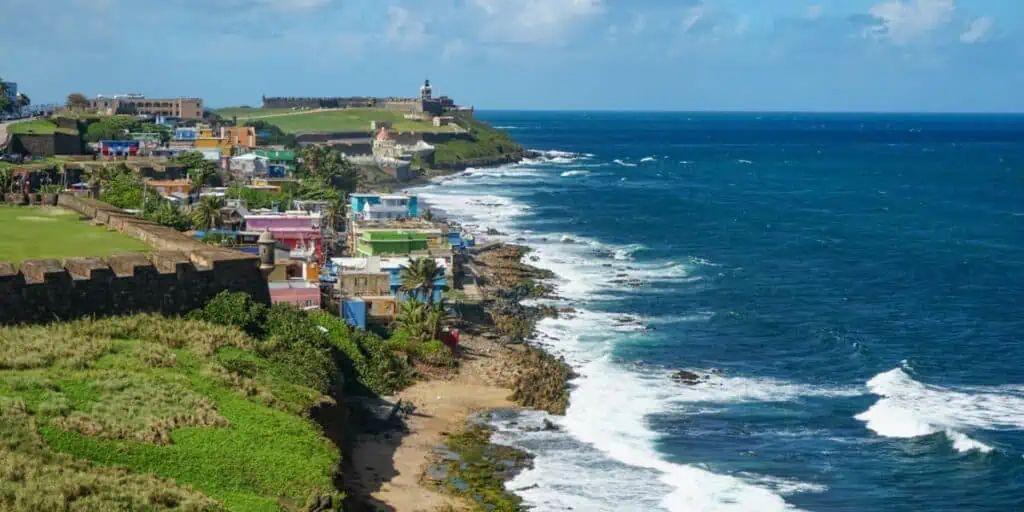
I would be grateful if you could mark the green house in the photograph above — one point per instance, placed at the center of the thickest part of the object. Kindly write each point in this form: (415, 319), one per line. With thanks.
(376, 243)
(283, 157)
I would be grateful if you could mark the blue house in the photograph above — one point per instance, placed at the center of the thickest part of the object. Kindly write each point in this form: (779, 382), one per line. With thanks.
(394, 269)
(186, 133)
(383, 207)
(353, 311)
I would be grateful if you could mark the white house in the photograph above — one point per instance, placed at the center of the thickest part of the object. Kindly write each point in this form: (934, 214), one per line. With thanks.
(251, 164)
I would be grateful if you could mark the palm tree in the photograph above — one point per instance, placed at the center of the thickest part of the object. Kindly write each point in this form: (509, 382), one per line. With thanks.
(428, 215)
(419, 276)
(6, 180)
(22, 101)
(422, 322)
(333, 211)
(206, 213)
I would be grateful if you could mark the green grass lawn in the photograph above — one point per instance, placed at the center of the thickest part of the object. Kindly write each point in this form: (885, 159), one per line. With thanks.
(152, 413)
(35, 233)
(347, 120)
(38, 127)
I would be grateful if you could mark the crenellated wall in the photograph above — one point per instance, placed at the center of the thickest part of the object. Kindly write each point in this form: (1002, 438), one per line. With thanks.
(180, 275)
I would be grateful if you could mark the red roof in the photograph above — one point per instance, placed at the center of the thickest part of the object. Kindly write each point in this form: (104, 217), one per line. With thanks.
(383, 134)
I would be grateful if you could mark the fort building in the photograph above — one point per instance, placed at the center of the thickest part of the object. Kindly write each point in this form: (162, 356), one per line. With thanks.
(184, 108)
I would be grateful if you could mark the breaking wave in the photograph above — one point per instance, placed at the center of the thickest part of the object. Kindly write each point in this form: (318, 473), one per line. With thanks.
(908, 408)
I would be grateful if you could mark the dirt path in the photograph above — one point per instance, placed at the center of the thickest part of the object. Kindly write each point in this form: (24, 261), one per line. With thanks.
(392, 463)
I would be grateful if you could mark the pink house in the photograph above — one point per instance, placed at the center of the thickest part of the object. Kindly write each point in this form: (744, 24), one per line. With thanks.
(303, 294)
(292, 229)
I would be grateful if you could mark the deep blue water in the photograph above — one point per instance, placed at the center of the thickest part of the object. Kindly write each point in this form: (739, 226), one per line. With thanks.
(857, 278)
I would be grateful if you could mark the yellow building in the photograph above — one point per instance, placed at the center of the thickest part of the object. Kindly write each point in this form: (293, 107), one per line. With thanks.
(224, 145)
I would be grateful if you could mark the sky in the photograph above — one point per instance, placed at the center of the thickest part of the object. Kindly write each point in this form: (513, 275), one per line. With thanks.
(782, 55)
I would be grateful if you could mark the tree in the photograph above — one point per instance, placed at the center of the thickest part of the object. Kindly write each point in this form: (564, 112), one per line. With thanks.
(206, 213)
(164, 131)
(418, 278)
(421, 322)
(77, 100)
(22, 101)
(6, 179)
(428, 215)
(111, 128)
(168, 214)
(123, 189)
(5, 102)
(333, 211)
(200, 170)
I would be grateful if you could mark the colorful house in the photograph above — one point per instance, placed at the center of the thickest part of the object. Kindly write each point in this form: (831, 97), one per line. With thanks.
(383, 207)
(186, 134)
(293, 230)
(119, 148)
(242, 136)
(283, 157)
(376, 243)
(168, 187)
(303, 294)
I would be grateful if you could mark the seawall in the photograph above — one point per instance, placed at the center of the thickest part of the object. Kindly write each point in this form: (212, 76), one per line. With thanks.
(180, 275)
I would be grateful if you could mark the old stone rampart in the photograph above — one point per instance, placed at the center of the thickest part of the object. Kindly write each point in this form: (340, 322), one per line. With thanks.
(180, 275)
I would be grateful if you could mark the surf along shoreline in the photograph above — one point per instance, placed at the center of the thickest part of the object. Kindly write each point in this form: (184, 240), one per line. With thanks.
(414, 454)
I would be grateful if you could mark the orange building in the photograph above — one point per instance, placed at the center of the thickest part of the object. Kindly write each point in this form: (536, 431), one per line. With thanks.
(244, 136)
(170, 186)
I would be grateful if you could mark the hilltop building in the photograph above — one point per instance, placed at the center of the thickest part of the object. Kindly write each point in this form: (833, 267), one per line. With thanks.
(184, 108)
(424, 103)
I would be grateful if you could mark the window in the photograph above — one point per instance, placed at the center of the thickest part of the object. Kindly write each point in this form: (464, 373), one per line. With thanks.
(309, 303)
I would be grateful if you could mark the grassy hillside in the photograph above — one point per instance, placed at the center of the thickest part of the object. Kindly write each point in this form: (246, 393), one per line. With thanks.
(326, 121)
(150, 413)
(489, 146)
(38, 127)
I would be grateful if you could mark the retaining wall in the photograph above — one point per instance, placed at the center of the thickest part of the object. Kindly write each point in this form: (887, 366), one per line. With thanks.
(180, 275)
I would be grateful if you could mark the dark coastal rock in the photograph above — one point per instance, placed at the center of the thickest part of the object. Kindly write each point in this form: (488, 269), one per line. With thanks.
(688, 378)
(494, 232)
(549, 426)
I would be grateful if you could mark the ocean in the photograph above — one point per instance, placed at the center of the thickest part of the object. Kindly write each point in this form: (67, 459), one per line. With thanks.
(849, 287)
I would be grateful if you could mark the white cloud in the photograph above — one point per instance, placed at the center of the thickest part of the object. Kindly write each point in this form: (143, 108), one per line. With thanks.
(815, 11)
(902, 21)
(454, 50)
(693, 17)
(978, 31)
(533, 21)
(406, 29)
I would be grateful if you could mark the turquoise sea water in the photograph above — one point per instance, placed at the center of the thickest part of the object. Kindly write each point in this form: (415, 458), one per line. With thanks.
(858, 280)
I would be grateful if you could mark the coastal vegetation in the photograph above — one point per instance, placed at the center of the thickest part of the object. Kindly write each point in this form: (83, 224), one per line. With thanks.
(152, 413)
(333, 120)
(34, 233)
(470, 466)
(488, 146)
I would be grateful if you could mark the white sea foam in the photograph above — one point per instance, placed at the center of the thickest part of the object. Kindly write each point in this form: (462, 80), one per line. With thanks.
(908, 408)
(741, 161)
(611, 462)
(569, 174)
(648, 159)
(624, 164)
(726, 389)
(608, 412)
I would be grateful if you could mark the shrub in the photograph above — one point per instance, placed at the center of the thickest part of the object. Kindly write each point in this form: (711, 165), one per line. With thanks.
(368, 362)
(299, 348)
(236, 309)
(434, 353)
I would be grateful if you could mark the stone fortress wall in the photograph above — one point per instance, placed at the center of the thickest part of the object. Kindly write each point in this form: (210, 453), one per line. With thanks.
(180, 275)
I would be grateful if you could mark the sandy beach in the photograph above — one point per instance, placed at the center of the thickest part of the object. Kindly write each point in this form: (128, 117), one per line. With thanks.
(387, 466)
